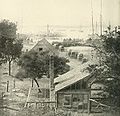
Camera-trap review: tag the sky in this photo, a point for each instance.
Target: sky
(30, 15)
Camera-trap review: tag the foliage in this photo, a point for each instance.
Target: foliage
(10, 46)
(68, 43)
(108, 71)
(37, 64)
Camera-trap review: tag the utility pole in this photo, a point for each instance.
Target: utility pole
(51, 71)
(51, 84)
(101, 17)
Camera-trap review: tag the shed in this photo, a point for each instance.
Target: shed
(72, 89)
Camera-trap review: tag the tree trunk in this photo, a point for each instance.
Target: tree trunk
(9, 67)
(37, 85)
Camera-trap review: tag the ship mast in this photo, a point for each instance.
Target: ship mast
(101, 26)
(92, 18)
(96, 27)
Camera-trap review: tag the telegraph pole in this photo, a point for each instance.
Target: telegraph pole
(51, 71)
(51, 84)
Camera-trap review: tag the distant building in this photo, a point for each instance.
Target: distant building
(44, 45)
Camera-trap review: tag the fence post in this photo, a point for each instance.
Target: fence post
(14, 83)
(7, 86)
(1, 104)
(36, 105)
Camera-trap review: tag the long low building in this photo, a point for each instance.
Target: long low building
(72, 89)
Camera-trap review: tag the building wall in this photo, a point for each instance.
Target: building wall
(43, 45)
(78, 100)
(74, 97)
(40, 47)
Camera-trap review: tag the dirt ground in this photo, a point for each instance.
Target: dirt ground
(17, 93)
(18, 90)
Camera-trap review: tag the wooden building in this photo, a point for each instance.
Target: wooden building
(44, 45)
(72, 89)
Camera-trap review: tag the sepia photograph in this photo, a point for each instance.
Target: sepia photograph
(59, 57)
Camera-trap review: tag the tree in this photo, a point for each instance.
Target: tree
(36, 65)
(108, 70)
(111, 43)
(10, 46)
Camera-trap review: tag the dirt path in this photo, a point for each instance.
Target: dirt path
(73, 62)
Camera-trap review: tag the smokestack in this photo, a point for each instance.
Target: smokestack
(48, 31)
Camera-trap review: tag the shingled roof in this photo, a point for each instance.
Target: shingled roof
(71, 77)
(79, 76)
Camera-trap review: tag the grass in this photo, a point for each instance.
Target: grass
(13, 98)
(18, 102)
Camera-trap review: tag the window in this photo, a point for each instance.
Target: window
(83, 104)
(67, 100)
(85, 98)
(40, 49)
(75, 100)
(26, 50)
(83, 84)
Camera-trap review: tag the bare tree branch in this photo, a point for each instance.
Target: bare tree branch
(115, 53)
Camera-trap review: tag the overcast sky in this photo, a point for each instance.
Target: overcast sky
(30, 14)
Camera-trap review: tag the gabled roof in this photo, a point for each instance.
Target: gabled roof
(47, 45)
(72, 72)
(71, 77)
(75, 78)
